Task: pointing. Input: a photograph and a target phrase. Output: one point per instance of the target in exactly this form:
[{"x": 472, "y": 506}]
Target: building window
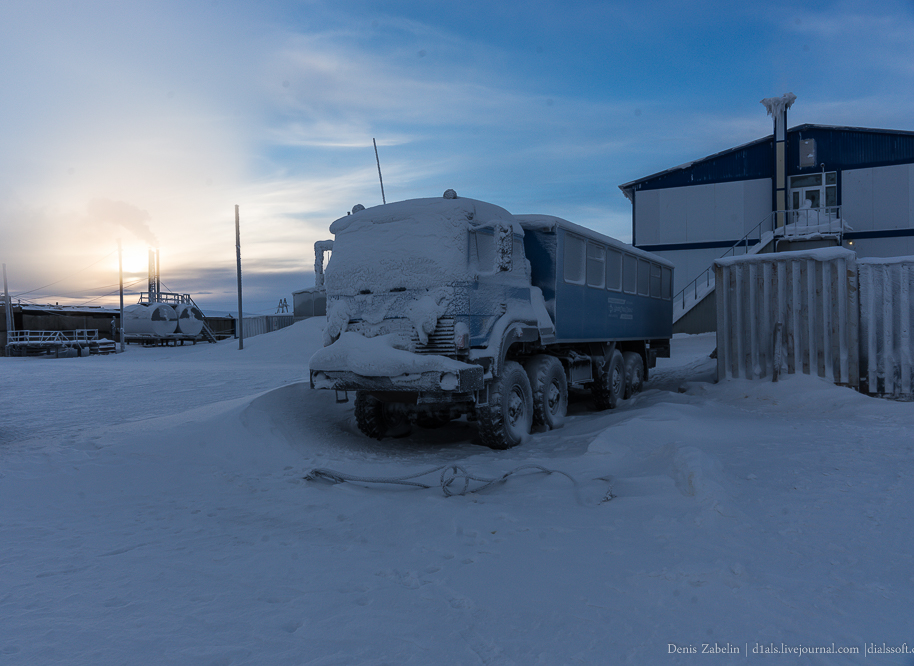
[{"x": 819, "y": 189}]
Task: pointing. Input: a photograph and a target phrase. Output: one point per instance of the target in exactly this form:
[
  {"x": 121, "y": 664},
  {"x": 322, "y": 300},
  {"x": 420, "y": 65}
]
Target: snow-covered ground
[{"x": 153, "y": 510}]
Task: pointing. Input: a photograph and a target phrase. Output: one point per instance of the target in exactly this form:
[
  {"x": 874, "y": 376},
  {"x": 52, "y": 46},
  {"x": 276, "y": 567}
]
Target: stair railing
[{"x": 798, "y": 219}]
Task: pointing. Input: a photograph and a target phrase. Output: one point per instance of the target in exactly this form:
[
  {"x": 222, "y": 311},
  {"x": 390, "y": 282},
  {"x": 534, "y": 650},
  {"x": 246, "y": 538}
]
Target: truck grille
[{"x": 440, "y": 342}]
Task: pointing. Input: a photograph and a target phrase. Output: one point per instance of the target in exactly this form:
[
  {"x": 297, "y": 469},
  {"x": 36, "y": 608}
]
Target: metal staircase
[{"x": 693, "y": 310}]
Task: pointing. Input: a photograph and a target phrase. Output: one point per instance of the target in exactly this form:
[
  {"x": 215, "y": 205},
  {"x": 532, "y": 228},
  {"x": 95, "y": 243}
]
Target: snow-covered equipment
[
  {"x": 190, "y": 319},
  {"x": 154, "y": 319},
  {"x": 438, "y": 308}
]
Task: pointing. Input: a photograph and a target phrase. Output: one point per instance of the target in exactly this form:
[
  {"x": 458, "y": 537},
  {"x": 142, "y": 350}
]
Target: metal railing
[
  {"x": 807, "y": 221},
  {"x": 167, "y": 297},
  {"x": 800, "y": 222},
  {"x": 82, "y": 337}
]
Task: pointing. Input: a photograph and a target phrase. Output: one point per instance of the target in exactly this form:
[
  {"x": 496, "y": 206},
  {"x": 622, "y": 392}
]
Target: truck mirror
[{"x": 504, "y": 247}]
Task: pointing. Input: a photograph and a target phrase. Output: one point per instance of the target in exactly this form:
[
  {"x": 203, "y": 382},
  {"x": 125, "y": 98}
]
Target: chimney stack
[{"x": 777, "y": 109}]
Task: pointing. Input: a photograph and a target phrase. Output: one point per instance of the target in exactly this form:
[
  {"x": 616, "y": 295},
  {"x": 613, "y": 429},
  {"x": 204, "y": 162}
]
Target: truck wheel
[
  {"x": 550, "y": 390},
  {"x": 608, "y": 390},
  {"x": 634, "y": 373},
  {"x": 507, "y": 419},
  {"x": 377, "y": 419}
]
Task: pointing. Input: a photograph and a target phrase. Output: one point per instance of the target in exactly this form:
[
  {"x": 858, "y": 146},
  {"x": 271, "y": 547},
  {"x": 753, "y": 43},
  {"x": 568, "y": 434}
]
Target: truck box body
[{"x": 597, "y": 288}]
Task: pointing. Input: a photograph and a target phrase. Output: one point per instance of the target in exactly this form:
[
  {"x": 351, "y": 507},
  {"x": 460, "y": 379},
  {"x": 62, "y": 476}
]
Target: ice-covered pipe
[{"x": 777, "y": 109}]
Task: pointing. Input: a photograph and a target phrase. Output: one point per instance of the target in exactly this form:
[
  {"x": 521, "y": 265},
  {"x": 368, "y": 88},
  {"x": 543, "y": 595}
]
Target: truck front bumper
[{"x": 463, "y": 380}]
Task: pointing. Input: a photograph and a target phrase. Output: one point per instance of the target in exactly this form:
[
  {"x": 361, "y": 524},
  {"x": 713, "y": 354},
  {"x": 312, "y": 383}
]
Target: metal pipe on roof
[{"x": 777, "y": 109}]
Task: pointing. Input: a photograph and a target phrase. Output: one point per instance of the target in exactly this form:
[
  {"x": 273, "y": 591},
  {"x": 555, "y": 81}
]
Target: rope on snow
[{"x": 450, "y": 474}]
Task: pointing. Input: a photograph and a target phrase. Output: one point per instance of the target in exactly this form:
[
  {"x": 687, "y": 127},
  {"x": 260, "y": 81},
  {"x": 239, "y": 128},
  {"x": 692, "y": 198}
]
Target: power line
[
  {"x": 64, "y": 278},
  {"x": 113, "y": 292}
]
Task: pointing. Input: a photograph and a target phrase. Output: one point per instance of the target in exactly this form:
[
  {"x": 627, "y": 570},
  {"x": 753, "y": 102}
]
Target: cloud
[{"x": 121, "y": 213}]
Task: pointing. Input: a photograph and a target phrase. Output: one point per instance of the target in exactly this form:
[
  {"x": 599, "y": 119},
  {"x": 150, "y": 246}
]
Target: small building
[
  {"x": 310, "y": 302},
  {"x": 694, "y": 213}
]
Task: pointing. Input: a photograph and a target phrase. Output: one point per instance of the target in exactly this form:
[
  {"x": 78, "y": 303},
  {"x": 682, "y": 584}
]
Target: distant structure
[
  {"x": 847, "y": 186},
  {"x": 312, "y": 302}
]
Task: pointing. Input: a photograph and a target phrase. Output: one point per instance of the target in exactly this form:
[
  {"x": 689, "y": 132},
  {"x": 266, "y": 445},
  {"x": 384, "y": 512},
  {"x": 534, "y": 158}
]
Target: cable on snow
[{"x": 450, "y": 480}]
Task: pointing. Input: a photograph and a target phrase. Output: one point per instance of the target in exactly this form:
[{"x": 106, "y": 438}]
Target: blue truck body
[{"x": 597, "y": 288}]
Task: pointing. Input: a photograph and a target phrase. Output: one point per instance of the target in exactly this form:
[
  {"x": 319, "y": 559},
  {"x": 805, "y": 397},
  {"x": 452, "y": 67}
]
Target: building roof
[{"x": 838, "y": 148}]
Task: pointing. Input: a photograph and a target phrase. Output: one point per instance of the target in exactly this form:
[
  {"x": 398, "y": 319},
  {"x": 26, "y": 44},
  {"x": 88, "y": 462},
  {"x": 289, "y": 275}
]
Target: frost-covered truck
[{"x": 439, "y": 308}]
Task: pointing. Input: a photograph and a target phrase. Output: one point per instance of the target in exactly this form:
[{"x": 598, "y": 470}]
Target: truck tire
[
  {"x": 550, "y": 390},
  {"x": 377, "y": 419},
  {"x": 610, "y": 387},
  {"x": 634, "y": 373},
  {"x": 507, "y": 419}
]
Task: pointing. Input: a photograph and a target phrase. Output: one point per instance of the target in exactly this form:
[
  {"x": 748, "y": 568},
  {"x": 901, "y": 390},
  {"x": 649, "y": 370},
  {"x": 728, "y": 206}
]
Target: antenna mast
[{"x": 378, "y": 160}]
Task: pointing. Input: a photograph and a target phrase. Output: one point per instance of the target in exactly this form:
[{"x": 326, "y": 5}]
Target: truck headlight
[{"x": 461, "y": 336}]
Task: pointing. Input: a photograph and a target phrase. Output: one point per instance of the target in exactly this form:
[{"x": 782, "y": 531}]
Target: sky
[{"x": 148, "y": 122}]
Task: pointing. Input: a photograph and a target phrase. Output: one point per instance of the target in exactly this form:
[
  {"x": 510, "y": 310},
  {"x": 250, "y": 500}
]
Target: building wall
[
  {"x": 690, "y": 264},
  {"x": 703, "y": 220},
  {"x": 882, "y": 247},
  {"x": 700, "y": 213},
  {"x": 878, "y": 198}
]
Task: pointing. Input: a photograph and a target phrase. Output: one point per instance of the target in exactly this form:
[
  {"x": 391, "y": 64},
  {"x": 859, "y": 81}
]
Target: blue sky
[{"x": 148, "y": 122}]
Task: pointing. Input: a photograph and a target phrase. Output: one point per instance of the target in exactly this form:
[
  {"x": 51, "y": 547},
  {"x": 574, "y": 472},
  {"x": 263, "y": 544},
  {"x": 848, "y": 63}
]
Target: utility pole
[
  {"x": 378, "y": 160},
  {"x": 8, "y": 309},
  {"x": 120, "y": 271},
  {"x": 240, "y": 323}
]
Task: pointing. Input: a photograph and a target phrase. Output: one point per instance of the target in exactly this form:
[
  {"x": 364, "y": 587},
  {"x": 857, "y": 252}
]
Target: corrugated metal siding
[
  {"x": 837, "y": 147},
  {"x": 886, "y": 327},
  {"x": 744, "y": 163},
  {"x": 850, "y": 148},
  {"x": 309, "y": 303},
  {"x": 265, "y": 324},
  {"x": 788, "y": 312}
]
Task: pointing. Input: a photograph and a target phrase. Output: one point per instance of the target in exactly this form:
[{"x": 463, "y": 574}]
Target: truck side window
[
  {"x": 596, "y": 265},
  {"x": 655, "y": 281},
  {"x": 666, "y": 280},
  {"x": 614, "y": 270},
  {"x": 630, "y": 274},
  {"x": 644, "y": 277},
  {"x": 485, "y": 250},
  {"x": 574, "y": 259}
]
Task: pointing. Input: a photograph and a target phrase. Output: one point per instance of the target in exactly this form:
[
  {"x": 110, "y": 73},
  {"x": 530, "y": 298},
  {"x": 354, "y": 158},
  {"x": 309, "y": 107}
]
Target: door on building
[{"x": 813, "y": 197}]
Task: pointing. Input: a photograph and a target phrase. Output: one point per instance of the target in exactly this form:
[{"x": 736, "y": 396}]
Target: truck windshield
[{"x": 397, "y": 255}]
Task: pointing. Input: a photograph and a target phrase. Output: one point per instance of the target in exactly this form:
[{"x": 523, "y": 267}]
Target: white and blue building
[{"x": 694, "y": 213}]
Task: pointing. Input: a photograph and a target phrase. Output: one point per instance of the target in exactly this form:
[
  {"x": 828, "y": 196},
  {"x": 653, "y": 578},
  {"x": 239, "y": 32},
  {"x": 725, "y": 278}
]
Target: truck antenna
[{"x": 378, "y": 160}]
